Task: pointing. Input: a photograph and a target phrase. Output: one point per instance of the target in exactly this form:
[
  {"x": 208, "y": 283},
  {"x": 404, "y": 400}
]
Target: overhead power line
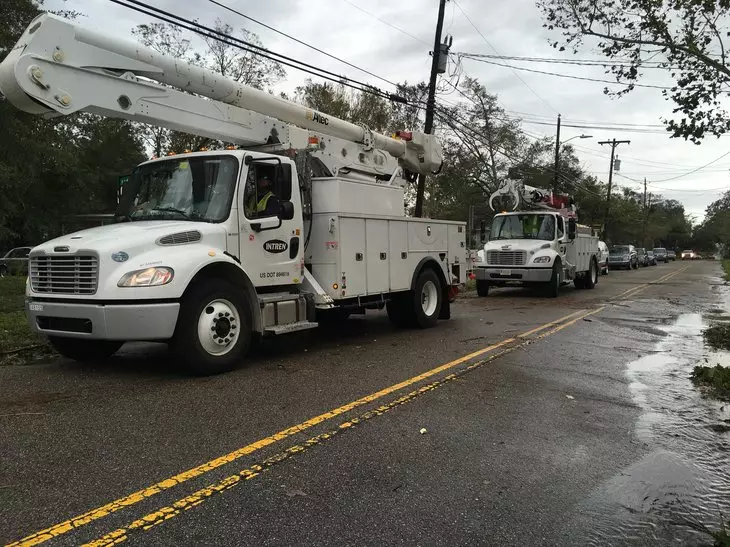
[
  {"x": 253, "y": 48},
  {"x": 497, "y": 52},
  {"x": 579, "y": 62},
  {"x": 387, "y": 23},
  {"x": 297, "y": 40},
  {"x": 570, "y": 76}
]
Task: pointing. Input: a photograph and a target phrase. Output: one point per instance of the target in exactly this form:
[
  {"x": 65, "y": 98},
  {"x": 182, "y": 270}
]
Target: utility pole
[
  {"x": 557, "y": 159},
  {"x": 614, "y": 143},
  {"x": 646, "y": 217},
  {"x": 431, "y": 101}
]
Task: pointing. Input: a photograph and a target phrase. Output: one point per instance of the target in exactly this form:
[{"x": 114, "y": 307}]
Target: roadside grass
[
  {"x": 716, "y": 380},
  {"x": 717, "y": 336},
  {"x": 726, "y": 269},
  {"x": 18, "y": 344}
]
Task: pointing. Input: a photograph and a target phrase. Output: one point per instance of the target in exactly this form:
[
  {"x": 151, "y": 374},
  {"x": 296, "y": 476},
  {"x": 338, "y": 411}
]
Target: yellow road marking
[
  {"x": 141, "y": 495},
  {"x": 635, "y": 290},
  {"x": 136, "y": 497},
  {"x": 196, "y": 498}
]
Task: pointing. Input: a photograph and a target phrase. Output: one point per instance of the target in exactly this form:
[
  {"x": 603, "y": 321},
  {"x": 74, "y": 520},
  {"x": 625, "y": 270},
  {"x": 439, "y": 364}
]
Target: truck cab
[{"x": 537, "y": 248}]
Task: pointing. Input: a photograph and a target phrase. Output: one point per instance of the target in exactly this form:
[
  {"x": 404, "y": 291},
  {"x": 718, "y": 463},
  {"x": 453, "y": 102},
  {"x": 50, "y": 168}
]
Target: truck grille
[
  {"x": 506, "y": 258},
  {"x": 72, "y": 274}
]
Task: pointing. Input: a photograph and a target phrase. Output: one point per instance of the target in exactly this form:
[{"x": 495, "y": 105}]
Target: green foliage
[
  {"x": 685, "y": 37},
  {"x": 716, "y": 379}
]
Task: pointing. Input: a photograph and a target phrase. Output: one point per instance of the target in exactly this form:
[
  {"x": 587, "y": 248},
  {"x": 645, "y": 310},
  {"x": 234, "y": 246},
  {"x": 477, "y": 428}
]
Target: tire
[
  {"x": 591, "y": 279},
  {"x": 552, "y": 288},
  {"x": 3, "y": 271},
  {"x": 213, "y": 332},
  {"x": 579, "y": 282},
  {"x": 84, "y": 350},
  {"x": 482, "y": 288},
  {"x": 427, "y": 300},
  {"x": 634, "y": 266}
]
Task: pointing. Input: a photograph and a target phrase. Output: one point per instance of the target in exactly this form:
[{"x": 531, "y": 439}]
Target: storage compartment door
[
  {"x": 353, "y": 281},
  {"x": 377, "y": 256},
  {"x": 399, "y": 262}
]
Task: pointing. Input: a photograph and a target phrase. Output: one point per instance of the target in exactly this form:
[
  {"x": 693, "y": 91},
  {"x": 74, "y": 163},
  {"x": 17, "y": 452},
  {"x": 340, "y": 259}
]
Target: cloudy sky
[{"x": 392, "y": 40}]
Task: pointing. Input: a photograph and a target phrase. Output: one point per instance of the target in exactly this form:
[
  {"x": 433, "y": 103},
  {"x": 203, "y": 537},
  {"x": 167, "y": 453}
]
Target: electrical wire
[
  {"x": 253, "y": 48},
  {"x": 579, "y": 62},
  {"x": 386, "y": 22},
  {"x": 497, "y": 52},
  {"x": 570, "y": 76},
  {"x": 297, "y": 40}
]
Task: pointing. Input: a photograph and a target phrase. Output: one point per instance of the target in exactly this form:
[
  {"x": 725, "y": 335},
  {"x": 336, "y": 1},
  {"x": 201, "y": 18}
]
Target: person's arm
[{"x": 272, "y": 207}]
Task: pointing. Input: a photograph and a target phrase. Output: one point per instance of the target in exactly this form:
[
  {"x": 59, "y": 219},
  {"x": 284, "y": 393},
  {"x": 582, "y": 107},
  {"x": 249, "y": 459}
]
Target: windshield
[
  {"x": 195, "y": 188},
  {"x": 660, "y": 250},
  {"x": 523, "y": 227},
  {"x": 640, "y": 250},
  {"x": 619, "y": 250}
]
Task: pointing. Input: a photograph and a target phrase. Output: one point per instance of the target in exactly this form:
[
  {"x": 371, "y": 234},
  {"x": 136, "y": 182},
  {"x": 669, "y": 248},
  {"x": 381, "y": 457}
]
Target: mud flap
[{"x": 445, "y": 312}]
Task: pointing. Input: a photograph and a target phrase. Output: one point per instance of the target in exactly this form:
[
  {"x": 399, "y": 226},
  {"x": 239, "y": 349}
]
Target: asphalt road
[{"x": 492, "y": 428}]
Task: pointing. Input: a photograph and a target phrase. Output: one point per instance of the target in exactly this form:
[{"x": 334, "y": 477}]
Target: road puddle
[{"x": 677, "y": 493}]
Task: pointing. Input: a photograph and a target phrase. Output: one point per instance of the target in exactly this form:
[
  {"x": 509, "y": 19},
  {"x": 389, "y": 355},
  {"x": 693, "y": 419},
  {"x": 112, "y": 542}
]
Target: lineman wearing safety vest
[{"x": 267, "y": 205}]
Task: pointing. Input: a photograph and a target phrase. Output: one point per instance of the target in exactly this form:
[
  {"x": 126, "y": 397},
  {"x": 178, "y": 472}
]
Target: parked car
[
  {"x": 688, "y": 254},
  {"x": 603, "y": 257},
  {"x": 15, "y": 262},
  {"x": 651, "y": 257},
  {"x": 623, "y": 256},
  {"x": 661, "y": 254},
  {"x": 642, "y": 256},
  {"x": 671, "y": 255}
]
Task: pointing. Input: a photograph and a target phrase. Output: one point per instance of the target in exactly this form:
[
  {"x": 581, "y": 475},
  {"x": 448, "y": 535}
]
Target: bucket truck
[
  {"x": 540, "y": 245},
  {"x": 301, "y": 220}
]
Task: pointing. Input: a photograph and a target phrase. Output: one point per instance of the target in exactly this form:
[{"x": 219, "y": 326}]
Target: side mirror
[
  {"x": 286, "y": 212},
  {"x": 572, "y": 228}
]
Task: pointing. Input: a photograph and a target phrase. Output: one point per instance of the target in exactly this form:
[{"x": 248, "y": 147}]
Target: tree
[
  {"x": 684, "y": 37},
  {"x": 715, "y": 230}
]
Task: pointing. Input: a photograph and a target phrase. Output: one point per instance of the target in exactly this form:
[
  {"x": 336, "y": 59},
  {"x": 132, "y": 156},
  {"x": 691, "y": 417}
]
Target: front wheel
[
  {"x": 84, "y": 350},
  {"x": 482, "y": 288},
  {"x": 552, "y": 289},
  {"x": 213, "y": 331}
]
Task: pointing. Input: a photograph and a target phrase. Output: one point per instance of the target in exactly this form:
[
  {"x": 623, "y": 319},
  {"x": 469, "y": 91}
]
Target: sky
[{"x": 393, "y": 40}]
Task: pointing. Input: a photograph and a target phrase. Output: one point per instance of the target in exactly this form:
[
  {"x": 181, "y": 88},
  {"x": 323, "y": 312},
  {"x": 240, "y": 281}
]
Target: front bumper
[
  {"x": 621, "y": 264},
  {"x": 522, "y": 274},
  {"x": 135, "y": 321}
]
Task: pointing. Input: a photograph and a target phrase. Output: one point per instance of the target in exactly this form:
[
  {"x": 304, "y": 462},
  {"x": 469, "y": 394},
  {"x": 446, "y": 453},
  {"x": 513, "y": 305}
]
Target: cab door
[{"x": 271, "y": 239}]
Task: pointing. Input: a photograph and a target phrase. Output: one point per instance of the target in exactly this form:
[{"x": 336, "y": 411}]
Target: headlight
[
  {"x": 149, "y": 277},
  {"x": 542, "y": 259}
]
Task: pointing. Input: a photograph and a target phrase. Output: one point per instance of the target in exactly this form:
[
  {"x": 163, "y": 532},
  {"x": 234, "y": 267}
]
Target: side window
[
  {"x": 260, "y": 196},
  {"x": 561, "y": 228}
]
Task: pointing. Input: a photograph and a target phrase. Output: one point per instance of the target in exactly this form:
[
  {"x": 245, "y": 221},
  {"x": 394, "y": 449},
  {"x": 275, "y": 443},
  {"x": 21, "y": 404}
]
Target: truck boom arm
[{"x": 58, "y": 68}]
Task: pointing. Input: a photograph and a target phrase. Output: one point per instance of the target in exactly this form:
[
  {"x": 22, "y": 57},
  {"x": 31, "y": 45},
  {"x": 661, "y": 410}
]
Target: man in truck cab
[{"x": 262, "y": 202}]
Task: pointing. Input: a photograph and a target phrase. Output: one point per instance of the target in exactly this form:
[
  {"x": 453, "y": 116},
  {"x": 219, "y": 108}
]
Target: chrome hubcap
[
  {"x": 429, "y": 298},
  {"x": 218, "y": 326}
]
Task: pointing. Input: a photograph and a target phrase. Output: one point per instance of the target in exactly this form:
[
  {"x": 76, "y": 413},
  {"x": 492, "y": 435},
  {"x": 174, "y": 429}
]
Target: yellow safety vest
[{"x": 259, "y": 207}]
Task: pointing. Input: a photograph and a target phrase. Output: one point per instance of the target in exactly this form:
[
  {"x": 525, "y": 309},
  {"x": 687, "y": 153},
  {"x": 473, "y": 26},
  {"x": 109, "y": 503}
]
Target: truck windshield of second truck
[
  {"x": 528, "y": 226},
  {"x": 194, "y": 188}
]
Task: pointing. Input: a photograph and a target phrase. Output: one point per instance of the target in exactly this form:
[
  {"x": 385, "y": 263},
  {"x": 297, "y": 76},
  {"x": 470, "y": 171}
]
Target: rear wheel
[
  {"x": 591, "y": 278},
  {"x": 482, "y": 288},
  {"x": 213, "y": 330},
  {"x": 84, "y": 350},
  {"x": 428, "y": 299},
  {"x": 3, "y": 271}
]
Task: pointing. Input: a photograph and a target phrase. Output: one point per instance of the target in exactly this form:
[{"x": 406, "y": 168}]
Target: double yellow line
[
  {"x": 636, "y": 290},
  {"x": 164, "y": 513}
]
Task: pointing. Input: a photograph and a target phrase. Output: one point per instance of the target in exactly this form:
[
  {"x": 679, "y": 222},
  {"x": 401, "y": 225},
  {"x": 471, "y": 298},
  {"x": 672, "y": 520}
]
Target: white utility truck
[
  {"x": 543, "y": 246},
  {"x": 216, "y": 248}
]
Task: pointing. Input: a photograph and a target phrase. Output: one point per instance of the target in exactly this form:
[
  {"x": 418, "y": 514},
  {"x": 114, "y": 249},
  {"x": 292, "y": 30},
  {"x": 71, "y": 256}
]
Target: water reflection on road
[{"x": 682, "y": 487}]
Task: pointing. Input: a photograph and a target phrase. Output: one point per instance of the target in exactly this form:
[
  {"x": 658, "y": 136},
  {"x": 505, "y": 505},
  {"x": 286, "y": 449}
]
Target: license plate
[
  {"x": 505, "y": 272},
  {"x": 35, "y": 307}
]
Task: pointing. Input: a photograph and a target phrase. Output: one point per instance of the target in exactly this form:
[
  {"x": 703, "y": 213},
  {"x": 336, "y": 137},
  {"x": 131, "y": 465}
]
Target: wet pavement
[{"x": 523, "y": 420}]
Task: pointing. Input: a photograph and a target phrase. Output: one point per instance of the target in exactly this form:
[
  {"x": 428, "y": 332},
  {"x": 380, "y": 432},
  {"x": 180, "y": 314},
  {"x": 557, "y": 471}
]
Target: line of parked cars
[{"x": 629, "y": 257}]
